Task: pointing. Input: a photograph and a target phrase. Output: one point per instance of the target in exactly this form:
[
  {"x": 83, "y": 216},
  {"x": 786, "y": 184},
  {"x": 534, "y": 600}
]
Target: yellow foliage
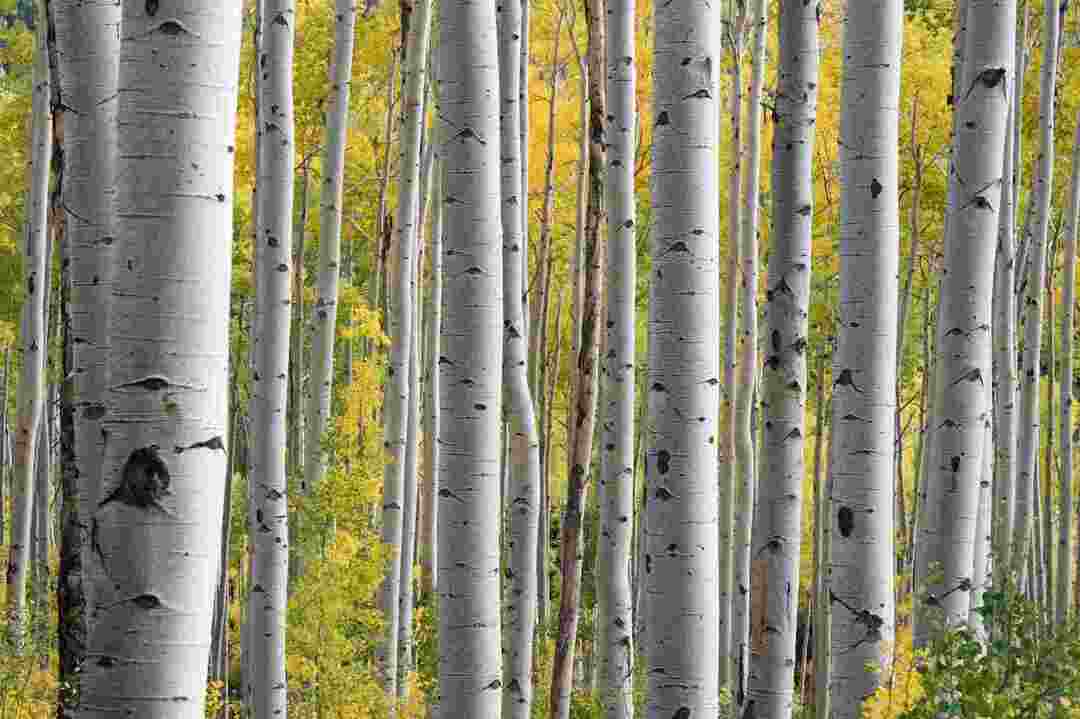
[{"x": 902, "y": 689}]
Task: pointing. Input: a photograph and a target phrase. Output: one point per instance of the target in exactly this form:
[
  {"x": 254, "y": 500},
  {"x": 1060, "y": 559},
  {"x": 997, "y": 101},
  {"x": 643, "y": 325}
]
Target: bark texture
[
  {"x": 156, "y": 532},
  {"x": 681, "y": 548}
]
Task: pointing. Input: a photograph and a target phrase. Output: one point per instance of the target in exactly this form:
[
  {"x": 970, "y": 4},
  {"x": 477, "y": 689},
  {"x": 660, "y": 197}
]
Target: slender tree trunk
[
  {"x": 470, "y": 367},
  {"x": 962, "y": 398},
  {"x": 30, "y": 399},
  {"x": 168, "y": 358},
  {"x": 274, "y": 227},
  {"x": 1047, "y": 496},
  {"x": 545, "y": 502},
  {"x": 324, "y": 316},
  {"x": 1068, "y": 300},
  {"x": 681, "y": 560},
  {"x": 382, "y": 222},
  {"x": 861, "y": 567},
  {"x": 523, "y": 143},
  {"x": 727, "y": 444},
  {"x": 522, "y": 499},
  {"x": 822, "y": 517},
  {"x": 982, "y": 569},
  {"x": 616, "y": 490},
  {"x": 748, "y": 366},
  {"x": 429, "y": 546},
  {"x": 582, "y": 412},
  {"x": 409, "y": 501},
  {"x": 778, "y": 531},
  {"x": 88, "y": 50},
  {"x": 296, "y": 335},
  {"x": 1027, "y": 453},
  {"x": 396, "y": 390}
]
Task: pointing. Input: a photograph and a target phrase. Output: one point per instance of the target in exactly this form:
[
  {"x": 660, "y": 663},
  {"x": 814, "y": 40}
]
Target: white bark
[
  {"x": 778, "y": 525},
  {"x": 947, "y": 532},
  {"x": 981, "y": 572},
  {"x": 396, "y": 389},
  {"x": 157, "y": 532},
  {"x": 616, "y": 486},
  {"x": 864, "y": 375},
  {"x": 324, "y": 314},
  {"x": 409, "y": 505},
  {"x": 1068, "y": 299},
  {"x": 684, "y": 369},
  {"x": 522, "y": 501},
  {"x": 429, "y": 546},
  {"x": 274, "y": 230},
  {"x": 748, "y": 364},
  {"x": 470, "y": 366},
  {"x": 1027, "y": 454},
  {"x": 88, "y": 52},
  {"x": 30, "y": 399}
]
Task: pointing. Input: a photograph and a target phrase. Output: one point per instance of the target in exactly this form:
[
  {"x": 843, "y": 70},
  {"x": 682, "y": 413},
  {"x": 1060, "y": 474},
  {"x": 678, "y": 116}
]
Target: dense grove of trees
[{"x": 539, "y": 358}]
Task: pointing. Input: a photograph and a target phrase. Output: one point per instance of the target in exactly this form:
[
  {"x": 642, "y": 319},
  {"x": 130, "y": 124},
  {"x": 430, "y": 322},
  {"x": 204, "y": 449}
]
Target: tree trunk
[
  {"x": 1047, "y": 496},
  {"x": 543, "y": 569},
  {"x": 981, "y": 570},
  {"x": 864, "y": 375},
  {"x": 1068, "y": 283},
  {"x": 409, "y": 502},
  {"x": 616, "y": 489},
  {"x": 726, "y": 447},
  {"x": 324, "y": 318},
  {"x": 522, "y": 501},
  {"x": 1027, "y": 453},
  {"x": 681, "y": 557},
  {"x": 822, "y": 516},
  {"x": 429, "y": 546},
  {"x": 382, "y": 221},
  {"x": 296, "y": 335},
  {"x": 470, "y": 367},
  {"x": 168, "y": 358},
  {"x": 274, "y": 227},
  {"x": 30, "y": 398},
  {"x": 748, "y": 366},
  {"x": 962, "y": 396},
  {"x": 778, "y": 531},
  {"x": 582, "y": 411}
]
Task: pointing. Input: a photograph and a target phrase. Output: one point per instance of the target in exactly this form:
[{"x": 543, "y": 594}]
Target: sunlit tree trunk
[
  {"x": 470, "y": 366},
  {"x": 1068, "y": 284},
  {"x": 396, "y": 389},
  {"x": 274, "y": 228},
  {"x": 684, "y": 369},
  {"x": 30, "y": 399},
  {"x": 864, "y": 374},
  {"x": 522, "y": 501},
  {"x": 778, "y": 531},
  {"x": 429, "y": 546},
  {"x": 298, "y": 318},
  {"x": 1027, "y": 454},
  {"x": 88, "y": 50},
  {"x": 616, "y": 490},
  {"x": 748, "y": 365},
  {"x": 156, "y": 532},
  {"x": 406, "y": 597},
  {"x": 947, "y": 533},
  {"x": 324, "y": 314}
]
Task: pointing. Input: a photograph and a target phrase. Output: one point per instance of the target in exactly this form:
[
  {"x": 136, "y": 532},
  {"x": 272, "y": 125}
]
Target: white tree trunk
[
  {"x": 945, "y": 559},
  {"x": 1027, "y": 454},
  {"x": 778, "y": 530},
  {"x": 396, "y": 389},
  {"x": 864, "y": 375},
  {"x": 157, "y": 530},
  {"x": 324, "y": 314},
  {"x": 1068, "y": 283},
  {"x": 30, "y": 399},
  {"x": 409, "y": 505},
  {"x": 748, "y": 365},
  {"x": 982, "y": 569},
  {"x": 616, "y": 490},
  {"x": 429, "y": 545},
  {"x": 88, "y": 52},
  {"x": 470, "y": 366},
  {"x": 274, "y": 230},
  {"x": 684, "y": 369},
  {"x": 523, "y": 499}
]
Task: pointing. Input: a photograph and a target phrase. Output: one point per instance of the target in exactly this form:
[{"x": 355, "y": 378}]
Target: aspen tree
[
  {"x": 157, "y": 528},
  {"x": 864, "y": 377},
  {"x": 681, "y": 548},
  {"x": 616, "y": 486},
  {"x": 470, "y": 365},
  {"x": 30, "y": 399},
  {"x": 945, "y": 559},
  {"x": 396, "y": 389},
  {"x": 1027, "y": 452},
  {"x": 406, "y": 598},
  {"x": 274, "y": 218},
  {"x": 981, "y": 557},
  {"x": 778, "y": 525},
  {"x": 523, "y": 498},
  {"x": 748, "y": 363},
  {"x": 1068, "y": 284},
  {"x": 324, "y": 313},
  {"x": 429, "y": 548}
]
